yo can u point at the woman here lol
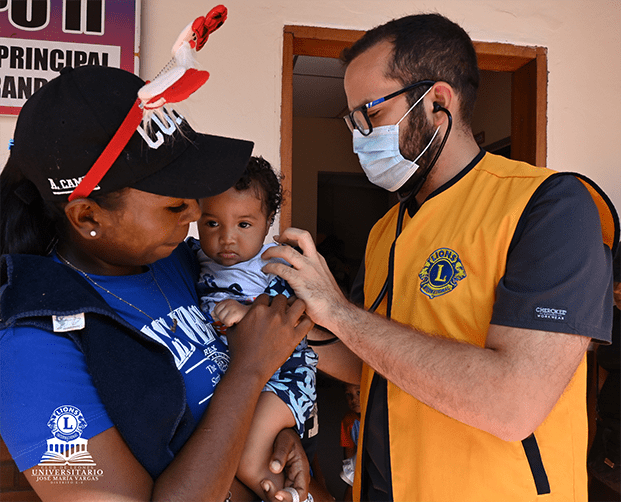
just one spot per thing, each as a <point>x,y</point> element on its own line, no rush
<point>107,368</point>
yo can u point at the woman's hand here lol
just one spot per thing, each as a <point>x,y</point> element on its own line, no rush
<point>288,454</point>
<point>266,336</point>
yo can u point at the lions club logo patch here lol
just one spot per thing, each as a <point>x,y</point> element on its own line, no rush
<point>441,272</point>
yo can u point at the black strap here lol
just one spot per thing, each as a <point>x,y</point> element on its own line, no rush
<point>536,464</point>
<point>327,341</point>
<point>390,279</point>
<point>388,283</point>
<point>376,470</point>
<point>321,343</point>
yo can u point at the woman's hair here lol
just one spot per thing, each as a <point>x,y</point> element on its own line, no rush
<point>29,224</point>
<point>260,176</point>
<point>426,47</point>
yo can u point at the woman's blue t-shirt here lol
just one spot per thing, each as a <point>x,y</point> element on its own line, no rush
<point>42,372</point>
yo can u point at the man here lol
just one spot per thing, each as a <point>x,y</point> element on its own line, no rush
<point>475,388</point>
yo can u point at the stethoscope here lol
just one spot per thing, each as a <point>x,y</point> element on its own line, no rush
<point>387,288</point>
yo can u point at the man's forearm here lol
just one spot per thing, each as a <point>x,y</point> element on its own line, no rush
<point>336,359</point>
<point>506,388</point>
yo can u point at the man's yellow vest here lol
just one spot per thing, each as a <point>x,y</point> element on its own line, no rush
<point>448,261</point>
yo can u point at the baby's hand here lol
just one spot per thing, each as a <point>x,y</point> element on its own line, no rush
<point>230,312</point>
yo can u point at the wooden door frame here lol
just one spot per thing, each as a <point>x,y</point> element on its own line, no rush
<point>529,91</point>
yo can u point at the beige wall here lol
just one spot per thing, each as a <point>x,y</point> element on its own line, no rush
<point>242,98</point>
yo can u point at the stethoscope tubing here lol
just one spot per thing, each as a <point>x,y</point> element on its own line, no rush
<point>403,204</point>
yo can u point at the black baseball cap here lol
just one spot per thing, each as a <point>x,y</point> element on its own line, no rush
<point>64,127</point>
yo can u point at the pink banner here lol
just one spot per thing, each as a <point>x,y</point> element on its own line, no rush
<point>40,37</point>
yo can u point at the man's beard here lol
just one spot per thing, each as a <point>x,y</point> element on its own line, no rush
<point>419,134</point>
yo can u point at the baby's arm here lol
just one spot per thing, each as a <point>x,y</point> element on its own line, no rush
<point>230,312</point>
<point>270,417</point>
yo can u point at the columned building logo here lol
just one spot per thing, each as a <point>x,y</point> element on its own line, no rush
<point>67,446</point>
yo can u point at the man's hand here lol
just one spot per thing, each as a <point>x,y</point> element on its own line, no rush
<point>288,454</point>
<point>309,275</point>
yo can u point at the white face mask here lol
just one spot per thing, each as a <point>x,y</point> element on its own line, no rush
<point>380,156</point>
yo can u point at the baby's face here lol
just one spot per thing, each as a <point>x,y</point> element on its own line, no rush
<point>232,226</point>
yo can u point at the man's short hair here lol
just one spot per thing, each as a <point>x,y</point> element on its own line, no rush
<point>426,47</point>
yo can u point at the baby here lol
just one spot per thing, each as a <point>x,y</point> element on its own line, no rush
<point>232,228</point>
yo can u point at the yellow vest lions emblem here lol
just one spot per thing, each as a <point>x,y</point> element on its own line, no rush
<point>441,272</point>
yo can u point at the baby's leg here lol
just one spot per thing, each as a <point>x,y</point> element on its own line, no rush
<point>241,493</point>
<point>270,417</point>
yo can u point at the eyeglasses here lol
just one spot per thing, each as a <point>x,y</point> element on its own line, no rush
<point>359,118</point>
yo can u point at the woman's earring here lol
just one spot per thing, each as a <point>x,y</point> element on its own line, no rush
<point>93,233</point>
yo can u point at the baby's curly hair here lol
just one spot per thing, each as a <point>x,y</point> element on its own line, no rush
<point>260,176</point>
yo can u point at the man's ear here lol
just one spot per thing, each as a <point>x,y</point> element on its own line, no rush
<point>442,96</point>
<point>84,217</point>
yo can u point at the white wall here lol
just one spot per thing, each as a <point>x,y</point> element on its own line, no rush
<point>242,98</point>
